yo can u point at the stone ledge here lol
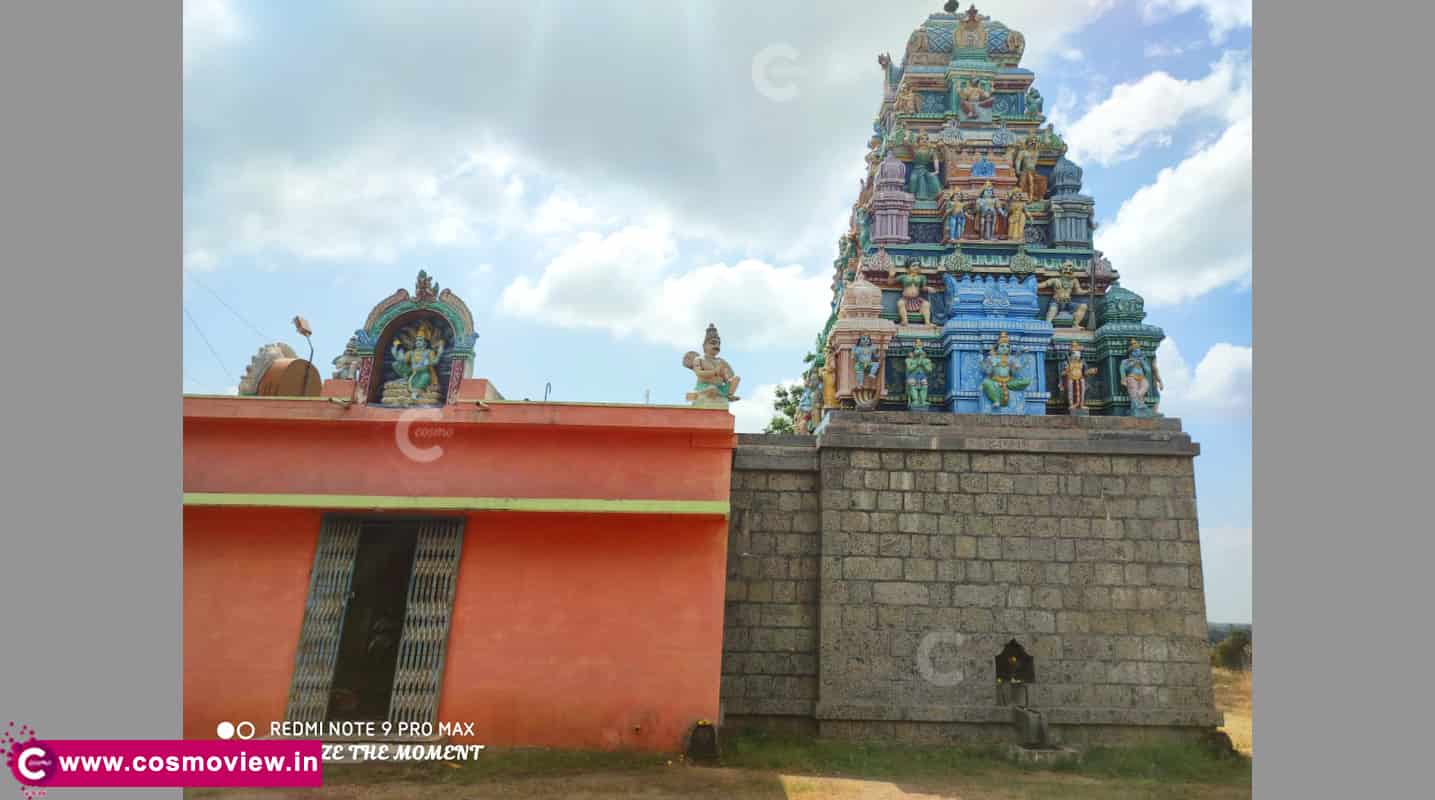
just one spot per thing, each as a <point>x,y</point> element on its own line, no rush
<point>845,418</point>
<point>1135,444</point>
<point>1058,715</point>
<point>788,460</point>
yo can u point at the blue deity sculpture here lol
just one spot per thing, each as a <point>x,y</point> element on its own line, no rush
<point>864,361</point>
<point>1002,368</point>
<point>1137,375</point>
<point>417,368</point>
<point>984,167</point>
<point>956,215</point>
<point>988,207</point>
<point>918,367</point>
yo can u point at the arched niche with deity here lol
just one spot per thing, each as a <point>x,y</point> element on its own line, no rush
<point>414,349</point>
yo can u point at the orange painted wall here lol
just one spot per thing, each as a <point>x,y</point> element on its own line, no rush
<point>246,574</point>
<point>522,450</point>
<point>570,630</point>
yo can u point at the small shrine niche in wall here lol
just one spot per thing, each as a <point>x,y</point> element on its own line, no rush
<point>415,372</point>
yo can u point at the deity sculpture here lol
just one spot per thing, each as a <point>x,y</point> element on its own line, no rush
<point>914,288</point>
<point>1063,288</point>
<point>955,202</point>
<point>717,383</point>
<point>906,101</point>
<point>922,180</point>
<point>974,98</point>
<point>417,367</point>
<point>918,367</point>
<point>829,382</point>
<point>864,230</point>
<point>865,365</point>
<point>346,364</point>
<point>1074,373</point>
<point>1002,368</point>
<point>1016,216</point>
<point>1138,374</point>
<point>802,419</point>
<point>983,167</point>
<point>845,250</point>
<point>1033,102</point>
<point>1023,162</point>
<point>988,208</point>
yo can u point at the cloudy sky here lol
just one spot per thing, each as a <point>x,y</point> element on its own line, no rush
<point>600,180</point>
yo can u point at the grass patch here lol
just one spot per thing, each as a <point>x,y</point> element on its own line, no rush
<point>754,749</point>
<point>1165,763</point>
<point>801,756</point>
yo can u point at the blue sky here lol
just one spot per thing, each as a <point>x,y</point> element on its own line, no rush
<point>600,181</point>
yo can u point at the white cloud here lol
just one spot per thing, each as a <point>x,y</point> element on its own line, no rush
<point>208,24</point>
<point>754,410</point>
<point>1220,386</point>
<point>1189,232</point>
<point>1144,113</point>
<point>1226,569</point>
<point>375,201</point>
<point>1071,54</point>
<point>694,140</point>
<point>1223,16</point>
<point>625,282</point>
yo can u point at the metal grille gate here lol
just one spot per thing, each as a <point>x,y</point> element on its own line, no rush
<point>418,674</point>
<point>329,587</point>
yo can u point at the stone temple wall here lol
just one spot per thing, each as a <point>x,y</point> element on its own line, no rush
<point>876,570</point>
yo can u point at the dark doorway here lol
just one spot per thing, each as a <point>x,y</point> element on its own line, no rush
<point>373,622</point>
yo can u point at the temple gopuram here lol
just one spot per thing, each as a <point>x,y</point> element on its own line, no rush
<point>967,281</point>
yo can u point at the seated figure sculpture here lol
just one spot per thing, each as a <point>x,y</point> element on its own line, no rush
<point>1002,368</point>
<point>1063,289</point>
<point>914,290</point>
<point>417,368</point>
<point>717,383</point>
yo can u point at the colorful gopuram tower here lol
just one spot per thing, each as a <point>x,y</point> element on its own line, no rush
<point>972,224</point>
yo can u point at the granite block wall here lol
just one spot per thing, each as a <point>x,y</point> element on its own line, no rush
<point>876,570</point>
<point>770,625</point>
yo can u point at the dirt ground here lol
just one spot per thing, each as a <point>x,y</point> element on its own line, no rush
<point>653,779</point>
<point>1233,696</point>
<point>713,783</point>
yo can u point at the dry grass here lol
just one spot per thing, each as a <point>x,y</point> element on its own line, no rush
<point>1233,696</point>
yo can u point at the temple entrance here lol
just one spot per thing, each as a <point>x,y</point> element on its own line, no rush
<point>369,641</point>
<point>376,622</point>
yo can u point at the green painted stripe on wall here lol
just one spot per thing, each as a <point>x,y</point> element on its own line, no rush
<point>395,503</point>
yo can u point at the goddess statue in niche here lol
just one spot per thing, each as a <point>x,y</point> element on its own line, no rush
<point>415,355</point>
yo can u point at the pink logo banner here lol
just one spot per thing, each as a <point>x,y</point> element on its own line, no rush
<point>166,763</point>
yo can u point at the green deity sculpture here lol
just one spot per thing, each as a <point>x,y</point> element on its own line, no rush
<point>918,367</point>
<point>1002,368</point>
<point>922,180</point>
<point>417,368</point>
